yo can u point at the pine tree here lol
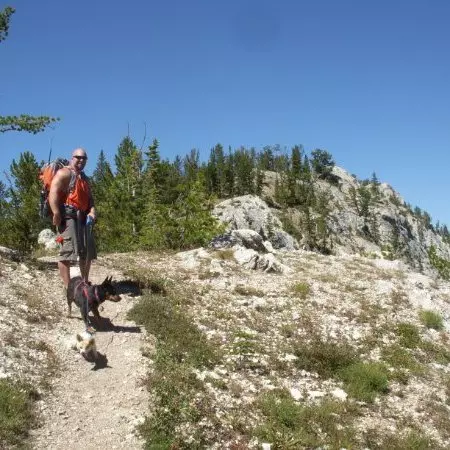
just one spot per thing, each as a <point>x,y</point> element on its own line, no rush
<point>244,164</point>
<point>21,223</point>
<point>322,162</point>
<point>102,179</point>
<point>296,161</point>
<point>229,174</point>
<point>189,222</point>
<point>121,212</point>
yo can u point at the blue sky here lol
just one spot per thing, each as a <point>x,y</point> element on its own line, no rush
<point>366,80</point>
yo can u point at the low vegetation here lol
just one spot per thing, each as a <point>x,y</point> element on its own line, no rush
<point>16,411</point>
<point>288,424</point>
<point>431,319</point>
<point>181,349</point>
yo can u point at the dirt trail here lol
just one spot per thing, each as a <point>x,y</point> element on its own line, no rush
<point>97,405</point>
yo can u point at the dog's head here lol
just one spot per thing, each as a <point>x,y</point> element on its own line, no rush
<point>109,289</point>
<point>86,345</point>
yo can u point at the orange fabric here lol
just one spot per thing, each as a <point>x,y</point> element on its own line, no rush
<point>46,176</point>
<point>80,196</point>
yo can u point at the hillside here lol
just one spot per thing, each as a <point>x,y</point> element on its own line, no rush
<point>362,217</point>
<point>343,351</point>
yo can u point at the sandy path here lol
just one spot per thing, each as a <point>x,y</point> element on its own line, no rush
<point>98,405</point>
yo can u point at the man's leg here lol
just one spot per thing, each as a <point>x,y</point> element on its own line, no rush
<point>64,272</point>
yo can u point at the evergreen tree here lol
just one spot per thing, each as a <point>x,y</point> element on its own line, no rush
<point>102,179</point>
<point>375,187</point>
<point>322,162</point>
<point>267,159</point>
<point>296,161</point>
<point>229,175</point>
<point>21,223</point>
<point>322,208</point>
<point>121,211</point>
<point>244,164</point>
<point>189,222</point>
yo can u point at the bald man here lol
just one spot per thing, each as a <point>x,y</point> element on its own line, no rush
<point>71,202</point>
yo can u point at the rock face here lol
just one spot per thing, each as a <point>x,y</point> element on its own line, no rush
<point>249,212</point>
<point>400,233</point>
<point>387,229</point>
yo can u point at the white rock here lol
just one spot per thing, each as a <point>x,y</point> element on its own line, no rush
<point>296,394</point>
<point>339,393</point>
<point>47,239</point>
<point>316,394</point>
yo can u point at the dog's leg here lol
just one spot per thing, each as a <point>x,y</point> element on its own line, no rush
<point>95,311</point>
<point>85,312</point>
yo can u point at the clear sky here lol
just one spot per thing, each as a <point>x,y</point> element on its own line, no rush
<point>369,81</point>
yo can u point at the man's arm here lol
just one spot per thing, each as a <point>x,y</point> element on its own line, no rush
<point>60,185</point>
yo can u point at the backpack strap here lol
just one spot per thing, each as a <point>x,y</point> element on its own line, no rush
<point>73,180</point>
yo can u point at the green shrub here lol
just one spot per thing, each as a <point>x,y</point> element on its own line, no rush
<point>301,289</point>
<point>431,319</point>
<point>440,264</point>
<point>409,335</point>
<point>364,381</point>
<point>411,440</point>
<point>163,317</point>
<point>178,396</point>
<point>147,279</point>
<point>325,358</point>
<point>399,357</point>
<point>16,411</point>
<point>289,425</point>
<point>248,291</point>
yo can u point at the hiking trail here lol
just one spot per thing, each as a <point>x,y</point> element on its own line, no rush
<point>94,405</point>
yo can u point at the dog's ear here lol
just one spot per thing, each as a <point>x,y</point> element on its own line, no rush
<point>107,280</point>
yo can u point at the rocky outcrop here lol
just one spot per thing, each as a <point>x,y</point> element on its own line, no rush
<point>391,230</point>
<point>249,212</point>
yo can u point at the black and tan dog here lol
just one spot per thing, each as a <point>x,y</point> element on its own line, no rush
<point>88,297</point>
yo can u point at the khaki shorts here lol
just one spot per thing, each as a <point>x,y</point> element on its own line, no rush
<point>73,249</point>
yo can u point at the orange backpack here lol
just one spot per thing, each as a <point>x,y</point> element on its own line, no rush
<point>46,175</point>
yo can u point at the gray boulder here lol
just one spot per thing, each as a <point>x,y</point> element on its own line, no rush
<point>250,213</point>
<point>46,238</point>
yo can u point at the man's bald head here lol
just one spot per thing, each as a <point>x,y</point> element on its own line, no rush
<point>79,152</point>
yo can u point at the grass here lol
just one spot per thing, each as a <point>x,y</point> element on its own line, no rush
<point>147,279</point>
<point>16,411</point>
<point>432,352</point>
<point>325,358</point>
<point>439,416</point>
<point>178,396</point>
<point>409,440</point>
<point>364,380</point>
<point>38,308</point>
<point>400,358</point>
<point>249,291</point>
<point>431,319</point>
<point>301,289</point>
<point>409,335</point>
<point>289,425</point>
